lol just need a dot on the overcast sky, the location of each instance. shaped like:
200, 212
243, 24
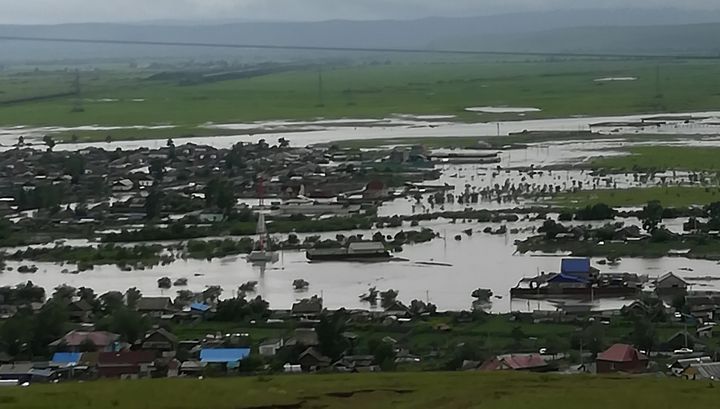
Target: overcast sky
59, 11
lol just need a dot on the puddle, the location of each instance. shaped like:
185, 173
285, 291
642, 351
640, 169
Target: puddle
502, 110
611, 79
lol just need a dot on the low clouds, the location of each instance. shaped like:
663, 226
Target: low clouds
59, 11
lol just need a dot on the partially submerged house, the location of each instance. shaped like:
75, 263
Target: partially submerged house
670, 284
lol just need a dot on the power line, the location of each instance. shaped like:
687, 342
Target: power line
359, 49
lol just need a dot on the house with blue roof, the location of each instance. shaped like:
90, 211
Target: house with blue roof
577, 267
228, 357
69, 358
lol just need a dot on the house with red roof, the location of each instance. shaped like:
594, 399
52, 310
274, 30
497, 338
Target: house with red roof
86, 341
621, 358
515, 362
126, 364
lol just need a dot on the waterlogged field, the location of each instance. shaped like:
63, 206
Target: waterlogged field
558, 89
406, 390
663, 158
671, 196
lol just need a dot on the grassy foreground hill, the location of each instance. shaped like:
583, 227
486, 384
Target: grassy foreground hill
398, 390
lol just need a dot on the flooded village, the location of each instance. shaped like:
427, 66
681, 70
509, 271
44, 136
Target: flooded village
236, 260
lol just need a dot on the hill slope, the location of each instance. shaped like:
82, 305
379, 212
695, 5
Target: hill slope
397, 390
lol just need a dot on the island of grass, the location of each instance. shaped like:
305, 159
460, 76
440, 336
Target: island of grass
662, 158
399, 390
670, 196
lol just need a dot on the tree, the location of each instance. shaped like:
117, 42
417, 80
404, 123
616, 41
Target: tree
330, 334
644, 335
551, 229
64, 293
221, 194
383, 352
49, 141
74, 166
111, 301
157, 168
599, 211
132, 296
49, 325
651, 216
153, 204
128, 323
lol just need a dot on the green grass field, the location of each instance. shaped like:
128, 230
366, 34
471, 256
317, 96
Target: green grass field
674, 196
407, 390
558, 88
663, 158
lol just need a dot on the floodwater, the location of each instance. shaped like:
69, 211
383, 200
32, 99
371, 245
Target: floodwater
400, 126
611, 79
502, 110
477, 261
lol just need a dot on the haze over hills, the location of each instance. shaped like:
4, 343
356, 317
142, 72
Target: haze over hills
598, 31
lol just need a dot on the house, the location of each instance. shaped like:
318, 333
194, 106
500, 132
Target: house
80, 311
621, 358
22, 372
159, 339
680, 365
375, 190
637, 308
577, 267
155, 306
270, 347
703, 371
680, 339
69, 358
123, 185
200, 309
126, 364
80, 341
356, 363
305, 337
706, 331
192, 368
312, 360
515, 362
670, 284
228, 357
308, 307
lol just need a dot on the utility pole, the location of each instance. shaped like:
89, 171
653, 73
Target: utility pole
321, 101
76, 90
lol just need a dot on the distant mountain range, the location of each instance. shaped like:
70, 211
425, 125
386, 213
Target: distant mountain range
600, 31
